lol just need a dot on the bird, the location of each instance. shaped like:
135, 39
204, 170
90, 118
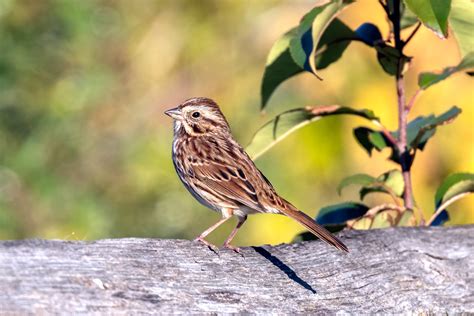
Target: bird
218, 172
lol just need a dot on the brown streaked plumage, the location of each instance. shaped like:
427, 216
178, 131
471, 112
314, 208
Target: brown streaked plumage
218, 172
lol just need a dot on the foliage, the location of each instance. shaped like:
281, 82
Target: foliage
320, 36
85, 147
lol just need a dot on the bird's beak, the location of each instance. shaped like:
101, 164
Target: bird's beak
174, 113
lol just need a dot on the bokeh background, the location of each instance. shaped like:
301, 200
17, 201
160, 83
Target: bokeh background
85, 147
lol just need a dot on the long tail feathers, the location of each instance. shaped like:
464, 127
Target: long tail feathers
318, 230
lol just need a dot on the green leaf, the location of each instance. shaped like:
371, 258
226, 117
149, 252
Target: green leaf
304, 45
333, 43
421, 129
453, 185
370, 139
385, 219
389, 57
340, 213
408, 18
461, 20
393, 179
280, 66
390, 182
433, 13
427, 79
360, 178
287, 122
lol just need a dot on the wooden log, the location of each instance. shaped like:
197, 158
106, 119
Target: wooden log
387, 271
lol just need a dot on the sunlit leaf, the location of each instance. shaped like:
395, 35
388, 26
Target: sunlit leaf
370, 139
423, 128
454, 187
461, 20
407, 219
419, 131
408, 18
280, 65
303, 46
390, 182
384, 219
433, 13
287, 122
427, 79
340, 213
361, 223
360, 179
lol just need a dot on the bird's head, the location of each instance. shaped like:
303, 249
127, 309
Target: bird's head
198, 117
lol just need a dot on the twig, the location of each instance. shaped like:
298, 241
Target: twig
386, 133
410, 103
412, 34
443, 206
405, 157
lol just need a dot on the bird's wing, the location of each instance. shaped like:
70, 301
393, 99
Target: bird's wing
220, 171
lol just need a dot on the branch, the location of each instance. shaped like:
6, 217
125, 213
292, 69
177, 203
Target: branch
389, 271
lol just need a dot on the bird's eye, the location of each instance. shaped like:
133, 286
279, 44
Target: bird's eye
196, 114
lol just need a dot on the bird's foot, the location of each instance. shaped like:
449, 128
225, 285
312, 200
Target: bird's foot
236, 249
212, 247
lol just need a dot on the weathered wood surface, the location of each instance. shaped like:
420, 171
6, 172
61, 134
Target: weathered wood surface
387, 271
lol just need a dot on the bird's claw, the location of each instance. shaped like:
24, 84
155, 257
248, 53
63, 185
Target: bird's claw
236, 249
212, 247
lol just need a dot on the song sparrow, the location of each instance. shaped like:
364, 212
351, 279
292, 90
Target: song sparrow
218, 172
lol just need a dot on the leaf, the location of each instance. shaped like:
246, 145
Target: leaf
427, 79
385, 219
384, 215
333, 43
390, 182
280, 66
393, 179
433, 13
407, 219
341, 213
304, 45
419, 131
389, 58
362, 223
462, 23
360, 178
408, 18
370, 139
423, 128
454, 187
369, 34
287, 122
442, 218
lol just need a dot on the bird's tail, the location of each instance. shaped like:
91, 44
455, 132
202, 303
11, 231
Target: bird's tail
318, 230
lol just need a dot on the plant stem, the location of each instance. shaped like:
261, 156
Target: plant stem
405, 158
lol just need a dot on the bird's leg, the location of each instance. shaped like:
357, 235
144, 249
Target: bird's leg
210, 230
233, 233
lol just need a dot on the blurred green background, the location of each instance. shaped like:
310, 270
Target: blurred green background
85, 147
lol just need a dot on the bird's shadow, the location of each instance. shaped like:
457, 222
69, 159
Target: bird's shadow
284, 268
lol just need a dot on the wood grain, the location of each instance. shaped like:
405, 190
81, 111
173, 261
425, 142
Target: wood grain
386, 271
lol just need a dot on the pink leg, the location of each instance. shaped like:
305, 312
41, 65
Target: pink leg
233, 233
210, 230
